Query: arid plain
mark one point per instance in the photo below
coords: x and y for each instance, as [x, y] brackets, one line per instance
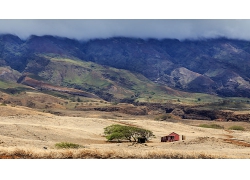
[27, 133]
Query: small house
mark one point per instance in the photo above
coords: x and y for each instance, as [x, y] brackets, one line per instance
[171, 137]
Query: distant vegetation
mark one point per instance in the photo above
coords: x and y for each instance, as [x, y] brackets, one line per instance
[163, 117]
[235, 103]
[57, 94]
[214, 126]
[12, 88]
[236, 128]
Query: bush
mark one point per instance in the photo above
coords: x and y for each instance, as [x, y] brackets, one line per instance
[31, 104]
[236, 128]
[163, 117]
[215, 126]
[79, 100]
[120, 132]
[67, 145]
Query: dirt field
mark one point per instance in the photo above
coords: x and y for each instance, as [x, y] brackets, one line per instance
[24, 129]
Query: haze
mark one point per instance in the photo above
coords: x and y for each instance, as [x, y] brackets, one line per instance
[84, 29]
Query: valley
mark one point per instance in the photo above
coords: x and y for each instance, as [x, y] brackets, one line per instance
[59, 90]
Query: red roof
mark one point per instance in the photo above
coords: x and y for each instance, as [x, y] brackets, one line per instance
[173, 134]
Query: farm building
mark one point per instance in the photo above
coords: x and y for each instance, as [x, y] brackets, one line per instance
[171, 137]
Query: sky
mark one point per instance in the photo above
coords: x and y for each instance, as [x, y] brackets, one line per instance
[178, 19]
[84, 29]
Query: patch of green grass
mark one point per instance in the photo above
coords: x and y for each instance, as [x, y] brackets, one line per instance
[36, 77]
[94, 79]
[5, 85]
[67, 145]
[16, 90]
[236, 128]
[57, 94]
[214, 126]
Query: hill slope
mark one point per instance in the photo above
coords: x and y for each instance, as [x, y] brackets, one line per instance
[108, 83]
[213, 66]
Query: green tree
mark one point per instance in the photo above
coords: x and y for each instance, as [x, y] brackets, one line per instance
[119, 132]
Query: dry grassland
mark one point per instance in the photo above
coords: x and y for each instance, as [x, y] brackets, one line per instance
[26, 133]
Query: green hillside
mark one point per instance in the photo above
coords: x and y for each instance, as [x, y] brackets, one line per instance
[110, 83]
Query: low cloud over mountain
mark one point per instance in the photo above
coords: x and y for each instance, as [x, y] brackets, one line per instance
[84, 29]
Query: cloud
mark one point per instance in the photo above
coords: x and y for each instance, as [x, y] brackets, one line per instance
[84, 29]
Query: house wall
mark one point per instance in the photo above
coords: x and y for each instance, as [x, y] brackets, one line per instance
[176, 136]
[165, 138]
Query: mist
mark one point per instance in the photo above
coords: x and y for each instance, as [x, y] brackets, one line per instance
[85, 29]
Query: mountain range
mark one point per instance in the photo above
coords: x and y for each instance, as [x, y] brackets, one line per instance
[122, 68]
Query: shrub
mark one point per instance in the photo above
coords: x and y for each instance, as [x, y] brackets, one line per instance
[67, 145]
[31, 104]
[79, 100]
[236, 128]
[215, 126]
[163, 117]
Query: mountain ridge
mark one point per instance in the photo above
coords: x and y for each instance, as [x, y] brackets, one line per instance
[214, 66]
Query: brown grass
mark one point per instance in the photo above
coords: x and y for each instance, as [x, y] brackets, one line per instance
[26, 133]
[22, 153]
[237, 142]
